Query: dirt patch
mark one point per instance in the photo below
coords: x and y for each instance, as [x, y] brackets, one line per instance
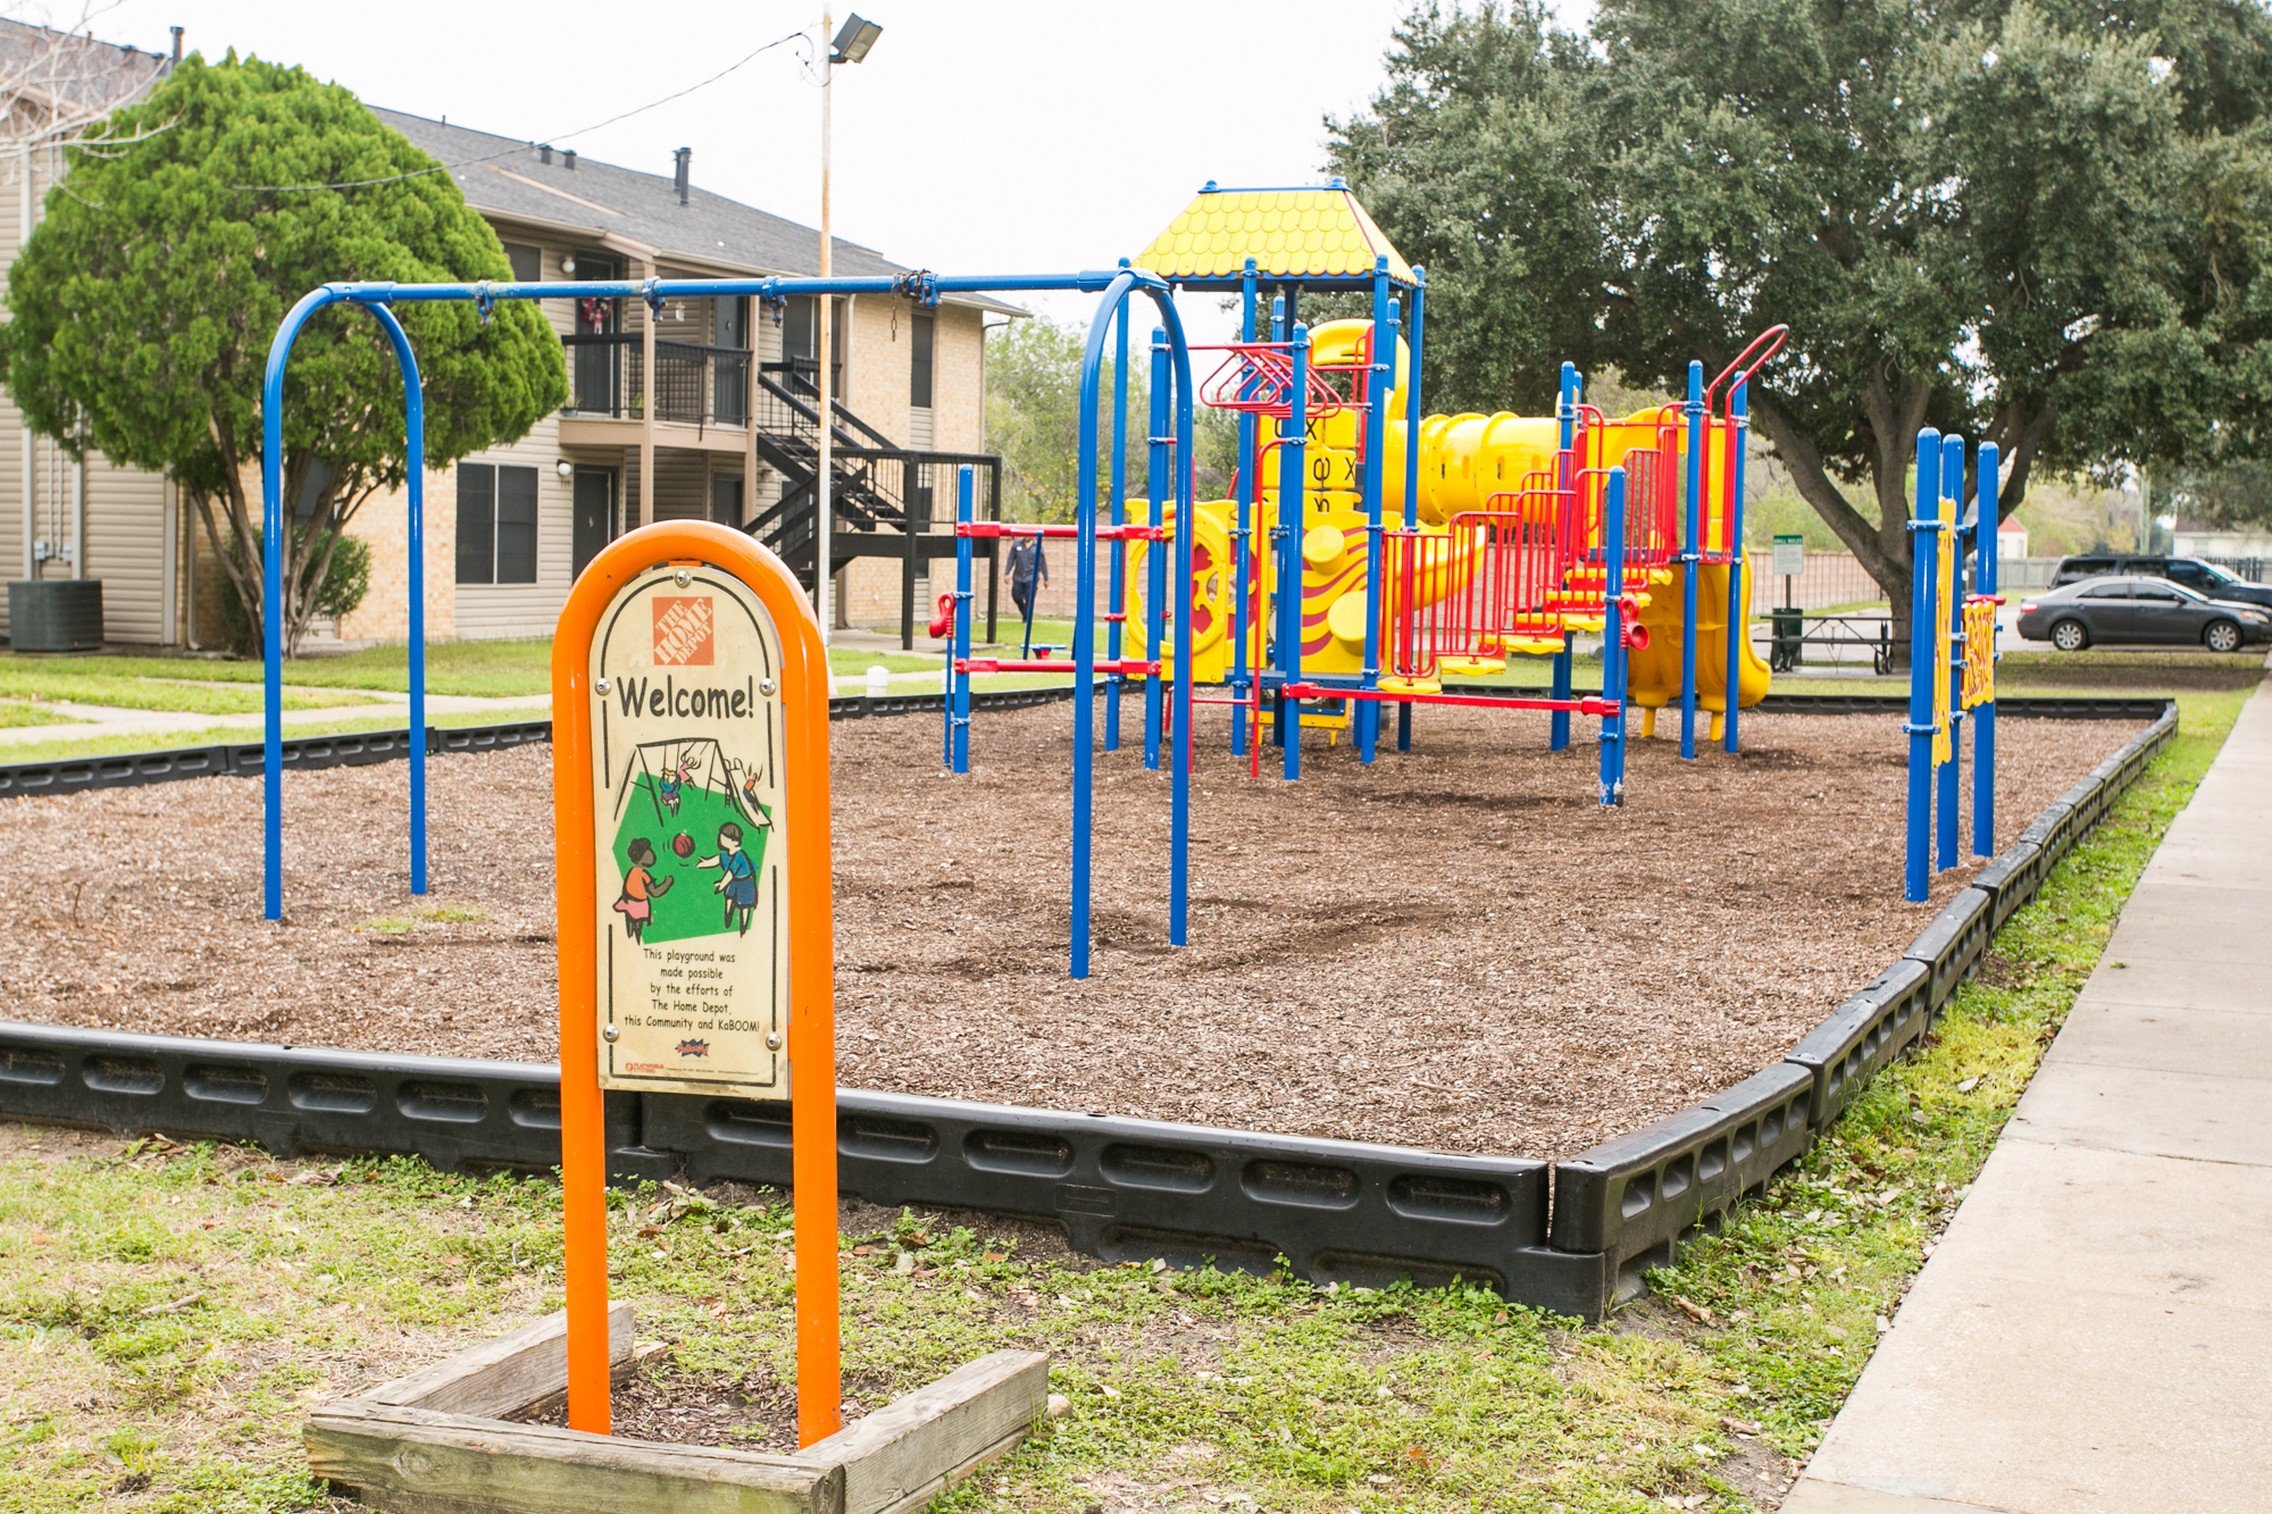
[756, 1412]
[1451, 948]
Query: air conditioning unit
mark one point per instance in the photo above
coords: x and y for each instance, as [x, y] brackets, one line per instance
[55, 614]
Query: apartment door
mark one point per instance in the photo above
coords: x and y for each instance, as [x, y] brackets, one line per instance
[726, 500]
[600, 352]
[729, 333]
[594, 507]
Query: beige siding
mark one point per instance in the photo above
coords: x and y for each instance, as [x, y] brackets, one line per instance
[494, 610]
[682, 484]
[128, 516]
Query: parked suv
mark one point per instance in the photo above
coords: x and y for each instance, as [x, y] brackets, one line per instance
[2206, 579]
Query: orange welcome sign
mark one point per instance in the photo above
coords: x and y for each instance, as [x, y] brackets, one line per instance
[690, 698]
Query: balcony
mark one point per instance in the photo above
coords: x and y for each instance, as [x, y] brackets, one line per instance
[695, 385]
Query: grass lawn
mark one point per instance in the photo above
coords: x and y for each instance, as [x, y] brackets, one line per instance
[167, 1314]
[220, 735]
[15, 712]
[482, 669]
[141, 683]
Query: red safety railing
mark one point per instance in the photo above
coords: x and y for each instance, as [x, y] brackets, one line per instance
[1257, 378]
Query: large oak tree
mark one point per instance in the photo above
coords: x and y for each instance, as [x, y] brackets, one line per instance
[2043, 224]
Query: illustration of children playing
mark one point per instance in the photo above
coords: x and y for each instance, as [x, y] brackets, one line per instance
[640, 889]
[739, 885]
[668, 787]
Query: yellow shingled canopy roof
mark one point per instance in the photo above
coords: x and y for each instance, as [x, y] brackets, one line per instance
[1290, 233]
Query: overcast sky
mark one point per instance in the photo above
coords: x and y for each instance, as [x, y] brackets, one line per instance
[979, 136]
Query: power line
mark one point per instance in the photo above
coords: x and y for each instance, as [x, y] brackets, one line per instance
[520, 147]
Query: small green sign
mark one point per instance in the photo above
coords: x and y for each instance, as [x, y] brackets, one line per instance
[1790, 555]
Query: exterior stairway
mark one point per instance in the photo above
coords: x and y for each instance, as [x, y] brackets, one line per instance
[886, 500]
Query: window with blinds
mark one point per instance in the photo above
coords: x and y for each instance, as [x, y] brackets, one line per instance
[496, 524]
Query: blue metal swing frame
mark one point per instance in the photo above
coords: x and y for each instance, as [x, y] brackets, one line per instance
[379, 298]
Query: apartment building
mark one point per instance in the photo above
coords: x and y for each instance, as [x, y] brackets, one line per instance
[706, 410]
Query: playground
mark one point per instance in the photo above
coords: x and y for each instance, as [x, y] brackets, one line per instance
[1455, 948]
[1402, 880]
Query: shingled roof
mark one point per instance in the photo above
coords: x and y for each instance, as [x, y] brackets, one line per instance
[505, 177]
[1313, 232]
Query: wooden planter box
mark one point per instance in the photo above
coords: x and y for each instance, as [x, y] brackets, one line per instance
[444, 1441]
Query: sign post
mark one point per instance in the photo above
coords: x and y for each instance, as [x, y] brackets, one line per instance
[690, 698]
[1790, 562]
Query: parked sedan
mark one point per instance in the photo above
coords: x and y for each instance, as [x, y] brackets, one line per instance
[2140, 610]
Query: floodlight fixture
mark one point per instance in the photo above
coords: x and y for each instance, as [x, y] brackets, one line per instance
[853, 39]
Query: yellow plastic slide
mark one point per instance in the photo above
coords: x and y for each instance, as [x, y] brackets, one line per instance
[1653, 671]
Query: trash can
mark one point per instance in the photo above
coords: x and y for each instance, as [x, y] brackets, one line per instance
[55, 614]
[1789, 630]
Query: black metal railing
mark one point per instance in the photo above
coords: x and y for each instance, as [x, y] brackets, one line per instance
[877, 488]
[694, 384]
[788, 405]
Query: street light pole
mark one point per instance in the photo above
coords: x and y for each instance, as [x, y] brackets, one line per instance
[847, 46]
[824, 524]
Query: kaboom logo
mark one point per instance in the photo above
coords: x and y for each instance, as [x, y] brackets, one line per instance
[685, 631]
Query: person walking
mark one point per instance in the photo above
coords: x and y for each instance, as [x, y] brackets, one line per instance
[1029, 570]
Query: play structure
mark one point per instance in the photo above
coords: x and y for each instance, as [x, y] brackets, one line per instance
[1512, 535]
[1952, 663]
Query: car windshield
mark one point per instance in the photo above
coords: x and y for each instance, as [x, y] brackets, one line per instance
[2216, 575]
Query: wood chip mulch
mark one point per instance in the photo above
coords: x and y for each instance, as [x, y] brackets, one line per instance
[1456, 948]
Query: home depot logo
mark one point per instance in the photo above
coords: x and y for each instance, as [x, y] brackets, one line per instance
[685, 631]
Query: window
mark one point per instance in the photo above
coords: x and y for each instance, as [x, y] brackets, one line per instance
[496, 524]
[2108, 591]
[528, 263]
[920, 339]
[2157, 594]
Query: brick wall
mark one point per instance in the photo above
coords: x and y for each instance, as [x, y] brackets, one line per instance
[384, 613]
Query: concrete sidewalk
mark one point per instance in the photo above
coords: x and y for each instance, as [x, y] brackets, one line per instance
[2094, 1331]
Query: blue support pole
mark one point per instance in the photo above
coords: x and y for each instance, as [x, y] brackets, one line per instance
[1242, 540]
[1280, 326]
[958, 700]
[1418, 301]
[1924, 526]
[1691, 559]
[1116, 600]
[1293, 481]
[1366, 713]
[414, 526]
[1987, 517]
[1157, 489]
[1186, 536]
[1613, 638]
[1739, 566]
[1568, 392]
[1084, 626]
[1951, 782]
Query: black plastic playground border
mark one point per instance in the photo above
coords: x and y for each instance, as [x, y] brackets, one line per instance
[1573, 1236]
